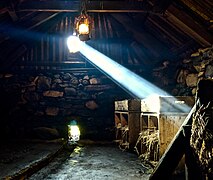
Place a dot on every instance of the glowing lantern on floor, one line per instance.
(73, 132)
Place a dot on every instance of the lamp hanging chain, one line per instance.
(83, 7)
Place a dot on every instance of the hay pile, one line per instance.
(148, 144)
(201, 139)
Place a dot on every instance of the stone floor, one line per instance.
(27, 158)
(36, 159)
(21, 157)
(94, 161)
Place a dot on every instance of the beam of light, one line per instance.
(20, 33)
(73, 44)
(129, 81)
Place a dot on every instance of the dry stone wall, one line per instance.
(198, 66)
(42, 105)
(180, 78)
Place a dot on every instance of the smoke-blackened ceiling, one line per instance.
(136, 33)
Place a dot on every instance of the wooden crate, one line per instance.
(147, 145)
(148, 121)
(169, 124)
(128, 105)
(164, 126)
(170, 112)
(127, 128)
(161, 104)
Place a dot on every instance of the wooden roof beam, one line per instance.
(19, 46)
(92, 6)
(172, 38)
(42, 20)
(205, 12)
(10, 58)
(8, 7)
(189, 26)
(3, 10)
(12, 12)
(152, 45)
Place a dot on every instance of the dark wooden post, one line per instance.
(192, 171)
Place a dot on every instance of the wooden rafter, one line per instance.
(92, 6)
(165, 30)
(3, 10)
(12, 12)
(205, 12)
(189, 26)
(18, 47)
(141, 36)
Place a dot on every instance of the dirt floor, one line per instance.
(87, 160)
(94, 161)
(19, 157)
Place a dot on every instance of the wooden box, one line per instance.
(127, 128)
(148, 121)
(147, 145)
(128, 105)
(169, 125)
(161, 104)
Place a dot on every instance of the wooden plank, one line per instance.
(189, 26)
(98, 87)
(3, 10)
(144, 122)
(189, 31)
(13, 15)
(173, 154)
(124, 119)
(165, 30)
(162, 134)
(17, 53)
(25, 34)
(150, 43)
(169, 125)
(128, 105)
(41, 19)
(204, 12)
(92, 6)
(192, 169)
(117, 119)
(162, 104)
(134, 128)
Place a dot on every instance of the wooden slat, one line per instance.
(201, 9)
(189, 25)
(134, 128)
(165, 31)
(92, 6)
(173, 154)
(147, 40)
(17, 52)
(3, 10)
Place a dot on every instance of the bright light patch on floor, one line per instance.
(73, 133)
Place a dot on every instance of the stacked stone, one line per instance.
(198, 66)
(49, 100)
